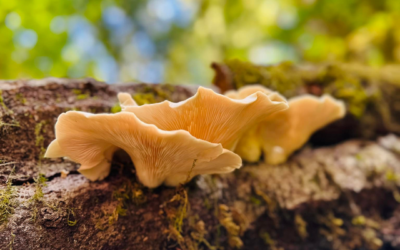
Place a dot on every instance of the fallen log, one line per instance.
(337, 197)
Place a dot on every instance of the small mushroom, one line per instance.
(159, 156)
(210, 116)
(247, 90)
(125, 99)
(64, 173)
(282, 133)
(249, 146)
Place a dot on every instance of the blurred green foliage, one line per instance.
(175, 40)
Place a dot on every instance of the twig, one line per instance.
(8, 163)
(190, 172)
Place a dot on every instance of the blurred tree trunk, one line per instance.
(338, 197)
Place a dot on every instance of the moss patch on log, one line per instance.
(370, 94)
(7, 202)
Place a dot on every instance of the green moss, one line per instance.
(233, 230)
(177, 208)
(153, 93)
(39, 139)
(396, 195)
(174, 234)
(198, 235)
(126, 194)
(20, 97)
(14, 124)
(77, 91)
(99, 224)
(339, 81)
(34, 213)
(346, 86)
(331, 228)
(71, 215)
(11, 241)
(40, 182)
(137, 195)
(301, 226)
(280, 77)
(116, 108)
(4, 126)
(58, 98)
(369, 229)
(2, 104)
(118, 211)
(207, 204)
(358, 220)
(271, 204)
(144, 98)
(122, 196)
(267, 239)
(391, 176)
(38, 136)
(52, 206)
(181, 197)
(176, 211)
(255, 201)
(6, 200)
(80, 95)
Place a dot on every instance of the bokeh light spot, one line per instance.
(13, 21)
(71, 54)
(114, 16)
(26, 38)
(162, 9)
(58, 24)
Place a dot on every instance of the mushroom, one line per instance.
(159, 156)
(247, 90)
(125, 99)
(210, 116)
(249, 145)
(282, 133)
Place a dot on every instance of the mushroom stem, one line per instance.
(125, 100)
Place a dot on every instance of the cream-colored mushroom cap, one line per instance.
(280, 134)
(210, 116)
(125, 99)
(159, 156)
(247, 90)
(287, 131)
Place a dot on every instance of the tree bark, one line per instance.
(336, 197)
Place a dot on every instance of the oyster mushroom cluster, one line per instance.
(281, 133)
(169, 143)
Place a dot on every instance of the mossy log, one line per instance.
(338, 197)
(372, 95)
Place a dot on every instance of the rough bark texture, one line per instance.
(336, 197)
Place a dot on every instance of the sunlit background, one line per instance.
(176, 40)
